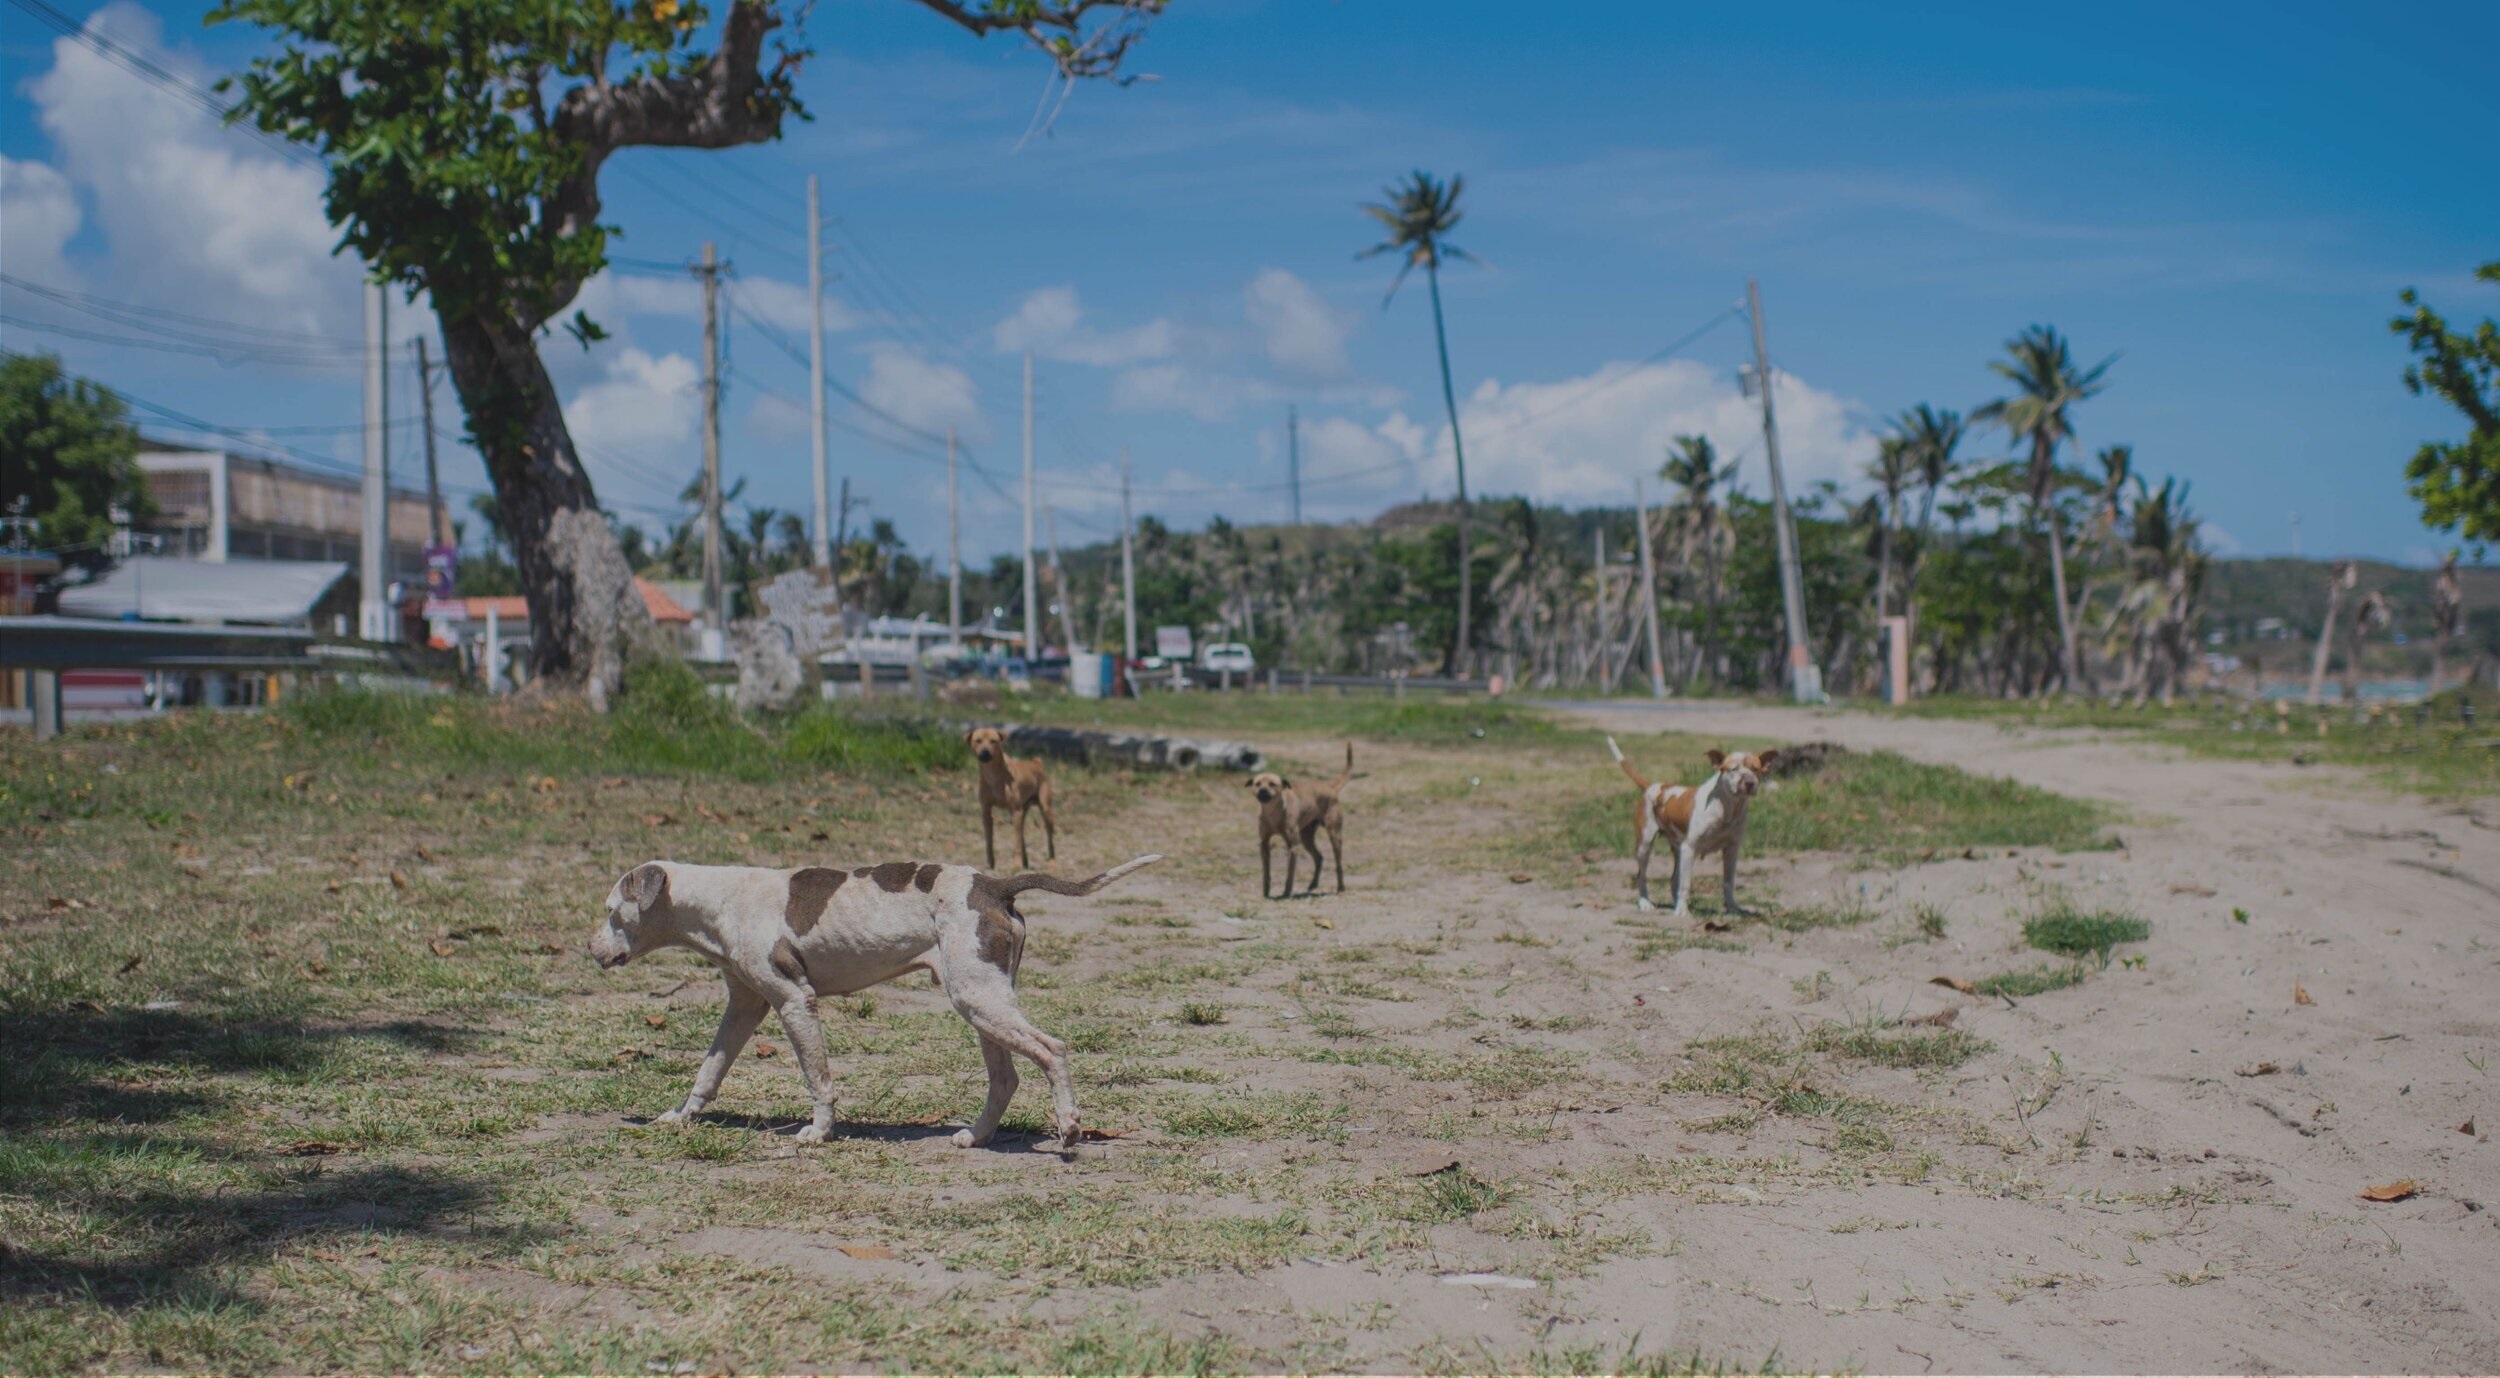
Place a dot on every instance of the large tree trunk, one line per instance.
(582, 602)
(2069, 654)
(1460, 658)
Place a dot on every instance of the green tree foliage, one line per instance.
(2457, 482)
(465, 139)
(2048, 384)
(68, 455)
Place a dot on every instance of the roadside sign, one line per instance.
(1172, 643)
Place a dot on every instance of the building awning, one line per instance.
(512, 610)
(153, 588)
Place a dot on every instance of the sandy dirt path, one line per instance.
(2383, 909)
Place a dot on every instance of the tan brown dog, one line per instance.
(1297, 813)
(1011, 784)
(1696, 821)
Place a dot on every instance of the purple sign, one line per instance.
(442, 563)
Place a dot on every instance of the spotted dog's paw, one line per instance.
(811, 1134)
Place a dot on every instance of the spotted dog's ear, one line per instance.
(1283, 783)
(1717, 757)
(1251, 783)
(644, 885)
(1762, 760)
(968, 736)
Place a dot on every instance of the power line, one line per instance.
(221, 353)
(147, 70)
(109, 309)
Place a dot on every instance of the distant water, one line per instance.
(2385, 690)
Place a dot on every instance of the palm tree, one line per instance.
(1893, 470)
(1693, 467)
(1419, 214)
(1932, 436)
(2041, 366)
(2447, 607)
(2340, 579)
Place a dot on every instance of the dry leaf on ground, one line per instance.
(2466, 1128)
(657, 1021)
(442, 947)
(765, 1050)
(1955, 982)
(398, 881)
(1429, 1165)
(1520, 877)
(133, 964)
(1090, 1135)
(2300, 994)
(314, 1148)
(1714, 926)
(2391, 1191)
(2258, 1069)
(1939, 1019)
(1323, 922)
(870, 1252)
(2202, 892)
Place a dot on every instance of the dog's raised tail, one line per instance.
(1015, 885)
(1346, 774)
(1624, 765)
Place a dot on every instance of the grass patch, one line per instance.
(2068, 931)
(2037, 980)
(1202, 1013)
(1447, 721)
(1894, 1047)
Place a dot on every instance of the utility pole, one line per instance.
(1605, 623)
(1293, 458)
(715, 598)
(1058, 576)
(1128, 562)
(954, 550)
(816, 367)
(1032, 590)
(374, 623)
(1805, 678)
(842, 523)
(440, 523)
(1649, 594)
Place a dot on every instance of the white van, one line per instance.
(1227, 655)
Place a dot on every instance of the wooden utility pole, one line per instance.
(1805, 679)
(438, 522)
(954, 550)
(1058, 577)
(1293, 458)
(1128, 562)
(816, 368)
(1649, 594)
(715, 598)
(1605, 620)
(1032, 589)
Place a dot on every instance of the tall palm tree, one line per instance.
(1693, 468)
(1418, 215)
(2041, 366)
(1932, 436)
(1893, 471)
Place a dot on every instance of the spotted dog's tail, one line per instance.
(1011, 886)
(1346, 774)
(1624, 765)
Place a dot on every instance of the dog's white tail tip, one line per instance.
(1616, 750)
(1132, 864)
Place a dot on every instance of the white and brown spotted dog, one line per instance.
(1696, 820)
(1296, 813)
(1018, 786)
(782, 938)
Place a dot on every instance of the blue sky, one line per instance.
(2226, 196)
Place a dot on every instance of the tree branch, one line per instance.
(1057, 28)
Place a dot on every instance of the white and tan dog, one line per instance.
(1696, 821)
(782, 938)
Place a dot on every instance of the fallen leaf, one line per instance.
(318, 968)
(314, 1148)
(656, 820)
(1955, 982)
(2391, 1191)
(1520, 877)
(765, 1050)
(657, 1021)
(442, 948)
(1928, 855)
(55, 902)
(1322, 922)
(2202, 892)
(424, 855)
(1429, 1165)
(1970, 854)
(545, 784)
(2300, 994)
(551, 949)
(1639, 1001)
(330, 889)
(2466, 1128)
(1939, 1019)
(870, 1252)
(1101, 1135)
(398, 881)
(133, 964)
(2258, 1069)
(1714, 926)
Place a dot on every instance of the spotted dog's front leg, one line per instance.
(1684, 877)
(1727, 877)
(737, 1024)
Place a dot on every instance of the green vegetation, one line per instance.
(2457, 482)
(2068, 931)
(68, 454)
(2033, 981)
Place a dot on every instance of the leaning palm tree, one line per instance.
(1693, 468)
(1419, 214)
(2340, 579)
(2041, 366)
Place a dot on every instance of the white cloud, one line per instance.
(192, 214)
(1302, 335)
(42, 213)
(1582, 440)
(930, 396)
(636, 425)
(1051, 323)
(1181, 388)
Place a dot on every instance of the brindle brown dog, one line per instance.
(1007, 783)
(1297, 813)
(782, 938)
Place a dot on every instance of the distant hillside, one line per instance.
(2239, 592)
